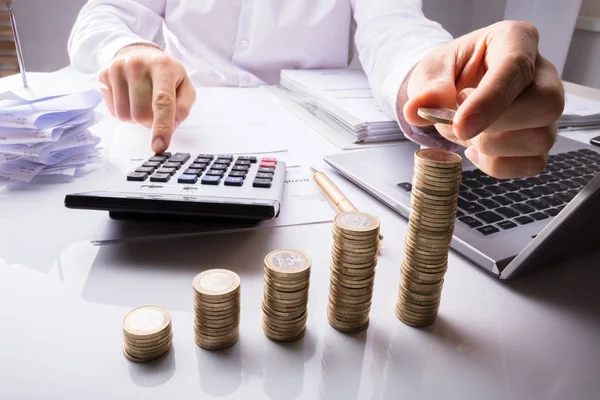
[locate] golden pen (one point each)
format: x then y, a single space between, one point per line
336 198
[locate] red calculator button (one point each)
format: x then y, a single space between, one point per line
269 159
265 164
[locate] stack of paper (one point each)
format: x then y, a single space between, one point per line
580 112
46 136
343 100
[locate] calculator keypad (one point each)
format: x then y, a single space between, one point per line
206 169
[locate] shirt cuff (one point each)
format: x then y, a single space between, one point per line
109 51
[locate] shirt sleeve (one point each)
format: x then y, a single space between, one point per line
104 27
391 37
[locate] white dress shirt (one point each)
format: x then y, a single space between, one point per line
248 42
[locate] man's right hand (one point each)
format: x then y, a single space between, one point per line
147 86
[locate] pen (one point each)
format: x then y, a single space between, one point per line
15 33
336 198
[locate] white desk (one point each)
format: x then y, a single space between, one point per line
62 301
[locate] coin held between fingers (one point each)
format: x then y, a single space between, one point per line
438 115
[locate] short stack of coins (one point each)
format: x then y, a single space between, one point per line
147 333
436 181
217 309
285 301
353 262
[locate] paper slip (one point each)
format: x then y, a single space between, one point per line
302 204
579 112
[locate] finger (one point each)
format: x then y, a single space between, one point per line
511 58
540 104
186 96
163 107
519 143
431 84
140 98
120 90
106 91
448 133
507 167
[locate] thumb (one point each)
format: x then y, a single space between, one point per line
431 84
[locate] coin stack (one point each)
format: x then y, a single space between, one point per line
353 261
285 301
147 333
436 181
217 309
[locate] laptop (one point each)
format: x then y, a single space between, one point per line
504 226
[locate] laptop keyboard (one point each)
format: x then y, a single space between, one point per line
489 205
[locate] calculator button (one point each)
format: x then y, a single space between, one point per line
233 181
226 157
192 171
207 156
219 167
158 177
171 164
242 162
180 157
160 159
137 176
238 173
203 160
264 175
165 154
215 172
266 170
240 168
265 164
147 170
164 170
268 159
185 178
261 183
252 159
151 164
211 180
225 161
200 166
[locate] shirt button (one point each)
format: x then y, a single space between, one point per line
244 43
247 78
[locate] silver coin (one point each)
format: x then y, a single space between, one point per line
288 259
217 281
146 320
356 221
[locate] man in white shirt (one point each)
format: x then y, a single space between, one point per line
509 97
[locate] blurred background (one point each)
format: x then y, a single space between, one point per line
570 30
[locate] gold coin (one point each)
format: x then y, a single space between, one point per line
146 322
146 358
216 283
288 263
438 176
439 115
357 222
437 158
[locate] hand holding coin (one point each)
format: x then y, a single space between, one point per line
507 98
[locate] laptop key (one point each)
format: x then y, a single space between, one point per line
487 180
523 220
551 168
495 189
502 200
570 184
572 173
509 186
406 186
522 208
488 230
558 186
470 221
553 212
552 201
469 196
534 180
537 204
522 183
547 178
489 217
507 225
561 175
469 207
581 181
482 193
538 216
459 213
473 184
489 204
531 194
516 197
543 190
564 197
507 212
562 165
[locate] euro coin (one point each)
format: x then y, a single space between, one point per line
438 115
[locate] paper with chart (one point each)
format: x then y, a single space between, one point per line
302 204
46 135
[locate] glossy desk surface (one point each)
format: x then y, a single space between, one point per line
62 301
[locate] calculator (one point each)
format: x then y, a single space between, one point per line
210 189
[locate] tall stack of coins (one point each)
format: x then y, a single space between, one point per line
217 309
353 261
436 181
285 301
147 333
